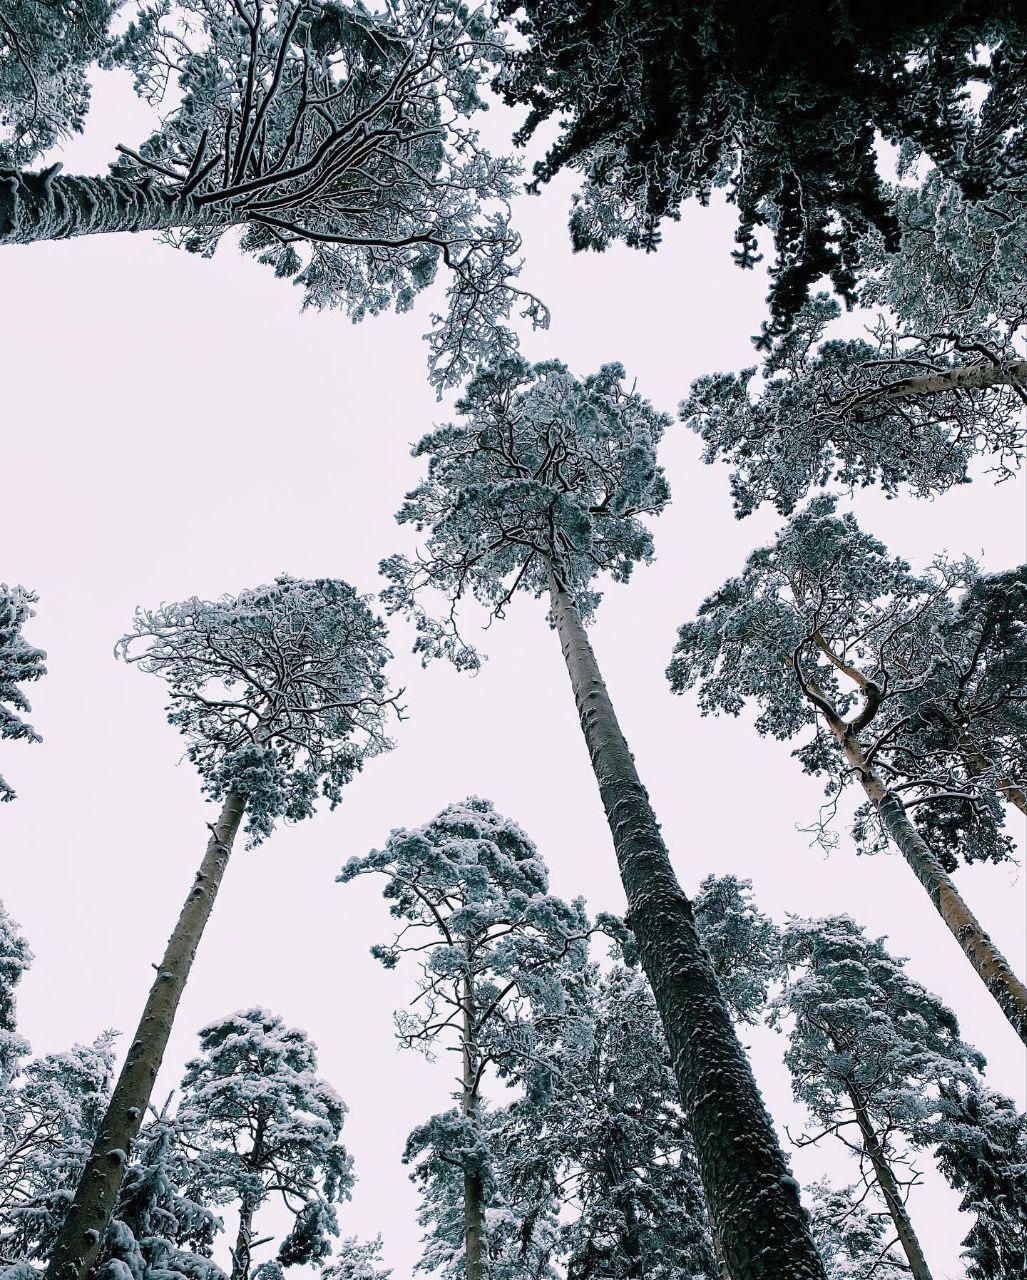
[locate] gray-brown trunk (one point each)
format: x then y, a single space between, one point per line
79 1240
241 1252
45 206
890 1191
474 1247
753 1199
988 962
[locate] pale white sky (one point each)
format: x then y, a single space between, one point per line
175 426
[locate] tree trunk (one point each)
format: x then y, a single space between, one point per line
241 1252
890 1190
989 963
43 206
474 1264
1006 787
80 1237
754 1200
974 377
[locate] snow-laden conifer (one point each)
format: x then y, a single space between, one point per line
336 136
357 1260
15 958
471 897
19 663
542 487
833 638
263 1126
854 1234
938 381
281 695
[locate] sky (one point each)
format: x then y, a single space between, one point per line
174 426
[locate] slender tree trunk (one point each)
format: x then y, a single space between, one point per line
474 1265
754 1200
44 206
890 1190
80 1237
241 1252
989 963
974 377
1006 788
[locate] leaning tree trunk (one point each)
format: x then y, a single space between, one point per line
79 1239
44 206
474 1247
989 963
890 1190
973 377
754 1200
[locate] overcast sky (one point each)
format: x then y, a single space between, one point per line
174 426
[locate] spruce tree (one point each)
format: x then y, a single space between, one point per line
281 695
833 638
541 489
781 106
471 895
337 139
19 663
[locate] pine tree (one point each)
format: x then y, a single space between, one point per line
261 1125
852 1235
824 631
938 382
779 105
15 958
357 1260
743 944
869 1052
540 489
46 48
471 895
19 663
337 138
281 695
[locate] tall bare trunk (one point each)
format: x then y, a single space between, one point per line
890 1190
753 1198
474 1266
90 1213
988 962
243 1238
45 206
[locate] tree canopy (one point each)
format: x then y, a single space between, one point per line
20 662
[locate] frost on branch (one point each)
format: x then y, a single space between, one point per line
542 469
280 691
19 663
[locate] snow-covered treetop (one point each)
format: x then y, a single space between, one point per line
339 135
15 958
881 409
357 1260
476 884
19 663
825 629
46 47
260 1119
544 469
858 1021
280 691
743 943
852 1231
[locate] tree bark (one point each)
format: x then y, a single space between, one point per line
241 1252
474 1250
44 206
1006 787
754 1200
79 1240
890 1190
988 962
975 377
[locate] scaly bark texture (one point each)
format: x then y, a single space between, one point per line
474 1264
754 1200
79 1240
890 1191
44 206
989 963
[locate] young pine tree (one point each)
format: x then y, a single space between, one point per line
19 663
262 1125
540 489
824 631
337 139
870 1051
281 695
471 895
